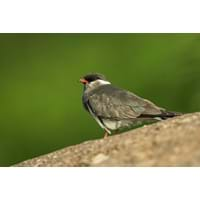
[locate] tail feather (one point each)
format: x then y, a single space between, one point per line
164 115
169 114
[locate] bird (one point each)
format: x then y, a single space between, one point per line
114 108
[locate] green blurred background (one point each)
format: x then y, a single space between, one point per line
40 93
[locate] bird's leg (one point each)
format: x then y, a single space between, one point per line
105 134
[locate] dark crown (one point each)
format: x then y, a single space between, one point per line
94 77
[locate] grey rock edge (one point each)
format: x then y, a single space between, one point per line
173 142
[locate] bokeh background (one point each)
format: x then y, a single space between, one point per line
40 93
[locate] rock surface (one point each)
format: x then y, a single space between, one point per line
173 142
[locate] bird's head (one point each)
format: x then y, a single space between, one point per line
92 81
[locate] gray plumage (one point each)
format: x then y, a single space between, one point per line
110 102
115 108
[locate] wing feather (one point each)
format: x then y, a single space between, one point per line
111 102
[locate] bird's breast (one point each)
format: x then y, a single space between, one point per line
112 124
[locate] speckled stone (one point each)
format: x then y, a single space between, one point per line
173 142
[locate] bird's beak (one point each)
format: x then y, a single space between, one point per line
83 81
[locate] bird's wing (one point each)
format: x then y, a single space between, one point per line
108 101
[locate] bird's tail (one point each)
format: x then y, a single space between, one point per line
162 116
169 114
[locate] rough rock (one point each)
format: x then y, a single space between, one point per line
173 142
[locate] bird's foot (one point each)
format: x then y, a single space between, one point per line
105 135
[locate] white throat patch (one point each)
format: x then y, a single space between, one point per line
95 84
98 83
